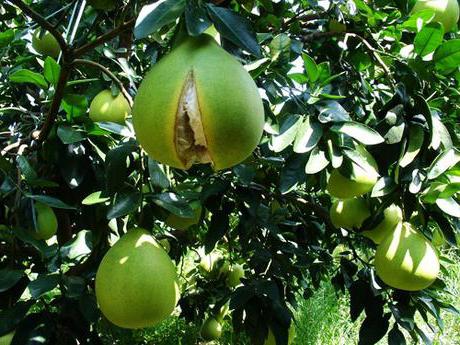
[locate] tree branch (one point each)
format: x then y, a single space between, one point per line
315 35
42 22
104 38
57 98
110 75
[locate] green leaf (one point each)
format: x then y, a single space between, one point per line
449 206
447 56
51 70
70 135
50 201
308 135
78 247
428 39
158 177
360 132
6 37
74 105
154 16
196 18
287 134
9 278
416 138
94 199
125 202
396 337
27 76
332 111
443 162
317 161
43 284
280 48
234 28
310 68
174 204
26 169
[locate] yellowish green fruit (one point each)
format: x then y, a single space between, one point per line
206 104
165 244
136 283
211 329
362 180
103 4
6 339
271 337
105 107
392 216
406 260
349 213
234 276
446 11
45 44
183 223
46 222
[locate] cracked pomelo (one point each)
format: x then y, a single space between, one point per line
406 260
392 216
45 43
136 283
198 105
106 107
446 12
46 222
349 213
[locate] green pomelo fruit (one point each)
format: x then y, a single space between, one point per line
45 44
46 222
136 283
446 12
349 213
211 329
103 4
6 339
362 180
392 216
234 276
105 107
198 105
183 223
406 260
271 337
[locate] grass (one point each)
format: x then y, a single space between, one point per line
321 320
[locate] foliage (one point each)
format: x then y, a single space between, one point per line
334 79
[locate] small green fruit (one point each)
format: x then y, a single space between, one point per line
349 213
211 329
183 223
362 180
271 337
392 216
446 11
406 260
45 44
136 283
105 5
234 276
46 222
105 107
6 339
206 104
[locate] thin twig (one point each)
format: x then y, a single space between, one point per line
315 35
44 24
109 74
104 38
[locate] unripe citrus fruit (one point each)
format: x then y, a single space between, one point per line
45 44
211 329
106 107
406 260
392 216
207 106
46 222
183 223
446 11
349 213
136 283
6 339
234 276
103 4
362 180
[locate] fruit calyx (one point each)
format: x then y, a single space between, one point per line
190 140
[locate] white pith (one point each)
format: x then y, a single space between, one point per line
190 140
